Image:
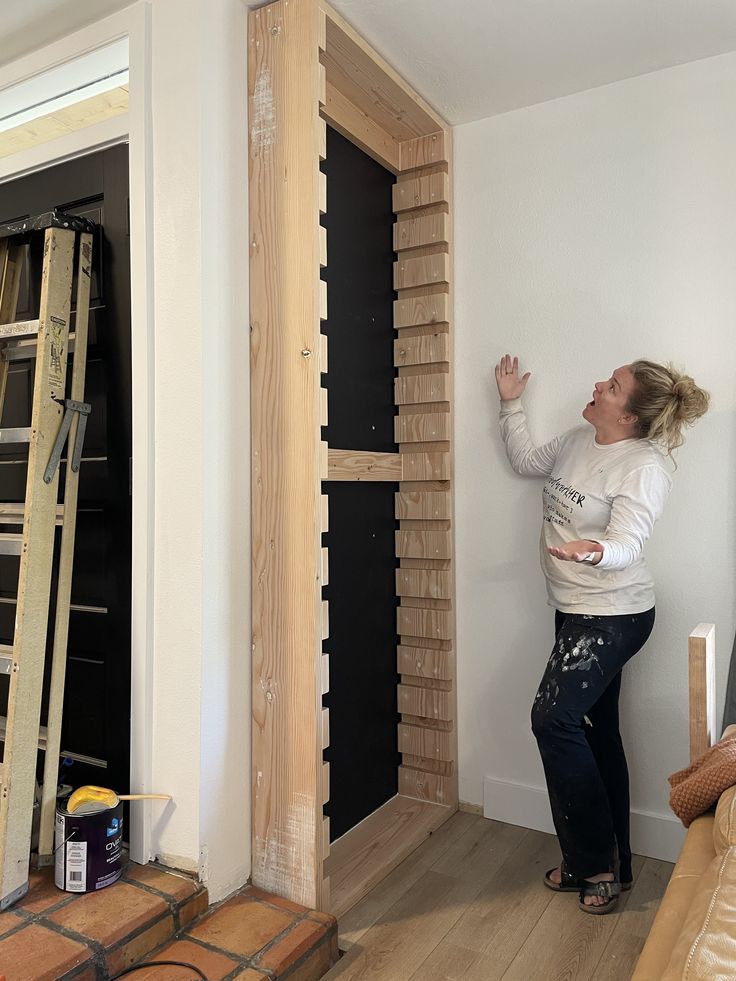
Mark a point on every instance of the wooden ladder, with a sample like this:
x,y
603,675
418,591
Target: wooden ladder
x,y
54,417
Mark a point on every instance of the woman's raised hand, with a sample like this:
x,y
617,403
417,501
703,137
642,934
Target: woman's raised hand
x,y
510,386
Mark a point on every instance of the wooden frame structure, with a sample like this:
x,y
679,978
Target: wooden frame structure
x,y
701,659
308,67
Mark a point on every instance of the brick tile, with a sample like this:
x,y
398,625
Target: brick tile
x,y
252,892
242,926
9,921
192,909
110,914
297,942
177,887
38,954
136,949
326,918
250,974
214,965
42,892
314,967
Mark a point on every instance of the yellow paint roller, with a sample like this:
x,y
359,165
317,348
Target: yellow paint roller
x,y
88,799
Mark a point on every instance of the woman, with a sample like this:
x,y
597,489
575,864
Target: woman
x,y
605,488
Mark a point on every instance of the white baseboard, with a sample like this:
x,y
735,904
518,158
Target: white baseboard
x,y
653,835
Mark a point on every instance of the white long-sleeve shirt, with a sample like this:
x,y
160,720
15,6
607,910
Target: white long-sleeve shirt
x,y
610,494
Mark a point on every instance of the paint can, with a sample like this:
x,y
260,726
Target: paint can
x,y
89,848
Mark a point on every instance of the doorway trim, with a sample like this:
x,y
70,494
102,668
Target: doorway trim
x,y
136,129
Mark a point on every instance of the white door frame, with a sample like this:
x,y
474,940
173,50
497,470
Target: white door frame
x,y
135,127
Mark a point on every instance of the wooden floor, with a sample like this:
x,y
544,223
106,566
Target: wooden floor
x,y
469,904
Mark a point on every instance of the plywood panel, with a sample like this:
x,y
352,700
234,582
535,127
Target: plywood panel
x,y
414,233
424,544
415,389
424,623
431,308
418,505
421,191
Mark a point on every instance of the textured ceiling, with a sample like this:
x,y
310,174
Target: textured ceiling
x,y
475,58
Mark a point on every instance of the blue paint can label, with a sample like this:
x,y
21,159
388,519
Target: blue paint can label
x,y
89,849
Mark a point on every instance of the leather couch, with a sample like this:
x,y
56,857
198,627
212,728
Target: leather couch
x,y
693,936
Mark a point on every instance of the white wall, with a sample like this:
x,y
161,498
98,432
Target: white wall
x,y
201,698
191,478
590,231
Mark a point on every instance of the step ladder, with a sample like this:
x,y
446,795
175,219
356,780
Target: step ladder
x,y
54,418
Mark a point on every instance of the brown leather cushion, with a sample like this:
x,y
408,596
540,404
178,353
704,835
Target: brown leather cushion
x,y
706,948
697,852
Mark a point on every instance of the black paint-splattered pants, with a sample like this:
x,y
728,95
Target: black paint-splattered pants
x,y
575,721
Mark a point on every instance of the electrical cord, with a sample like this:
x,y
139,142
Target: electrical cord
x,y
139,967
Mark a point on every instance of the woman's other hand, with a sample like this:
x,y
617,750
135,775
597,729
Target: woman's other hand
x,y
510,386
583,551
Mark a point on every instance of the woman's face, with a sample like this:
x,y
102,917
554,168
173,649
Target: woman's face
x,y
610,399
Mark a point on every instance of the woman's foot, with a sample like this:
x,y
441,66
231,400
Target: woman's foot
x,y
555,876
598,900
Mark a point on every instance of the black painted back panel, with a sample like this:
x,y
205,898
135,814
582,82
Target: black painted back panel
x,y
363,752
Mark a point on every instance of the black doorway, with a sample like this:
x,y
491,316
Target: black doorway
x,y
96,726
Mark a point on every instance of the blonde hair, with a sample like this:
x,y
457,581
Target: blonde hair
x,y
664,402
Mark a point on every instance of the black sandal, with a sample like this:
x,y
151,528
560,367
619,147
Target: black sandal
x,y
606,890
568,883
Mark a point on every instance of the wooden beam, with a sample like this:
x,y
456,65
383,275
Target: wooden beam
x,y
363,465
354,124
702,688
376,87
283,88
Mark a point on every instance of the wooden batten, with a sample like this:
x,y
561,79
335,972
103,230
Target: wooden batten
x,y
419,504
426,466
435,624
324,514
323,354
423,350
416,389
420,427
424,151
424,583
426,270
421,191
424,230
424,662
424,544
428,743
425,786
430,308
363,465
425,702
